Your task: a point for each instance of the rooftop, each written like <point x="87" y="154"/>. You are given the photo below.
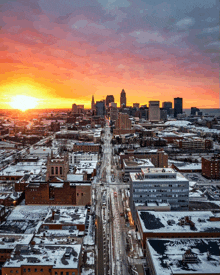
<point x="67" y="215"/>
<point x="58" y="256"/>
<point x="170" y="222"/>
<point x="185" y="256"/>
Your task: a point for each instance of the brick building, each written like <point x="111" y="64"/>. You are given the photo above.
<point x="194" y="143"/>
<point x="44" y="259"/>
<point x="86" y="147"/>
<point x="58" y="193"/>
<point x="57" y="167"/>
<point x="123" y="125"/>
<point x="158" y="157"/>
<point x="211" y="167"/>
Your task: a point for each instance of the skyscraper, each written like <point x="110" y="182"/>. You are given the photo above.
<point x="167" y="106"/>
<point x="154" y="110"/>
<point x="93" y="103"/>
<point x="109" y="99"/>
<point x="178" y="106"/>
<point x="123" y="98"/>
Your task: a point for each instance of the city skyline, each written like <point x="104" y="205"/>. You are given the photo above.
<point x="60" y="53"/>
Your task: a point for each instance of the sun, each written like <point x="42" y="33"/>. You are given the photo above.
<point x="23" y="102"/>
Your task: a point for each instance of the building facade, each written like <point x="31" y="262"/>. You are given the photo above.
<point x="58" y="193"/>
<point x="178" y="106"/>
<point x="161" y="185"/>
<point x="109" y="99"/>
<point x="123" y="98"/>
<point x="100" y="108"/>
<point x="154" y="111"/>
<point x="211" y="167"/>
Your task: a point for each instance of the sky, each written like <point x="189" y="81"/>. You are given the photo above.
<point x="63" y="52"/>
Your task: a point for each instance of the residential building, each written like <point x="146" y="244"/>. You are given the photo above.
<point x="194" y="143"/>
<point x="113" y="111"/>
<point x="123" y="125"/>
<point x="211" y="167"/>
<point x="154" y="111"/>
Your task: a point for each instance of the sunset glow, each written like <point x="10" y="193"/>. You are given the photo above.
<point x="23" y="103"/>
<point x="70" y="50"/>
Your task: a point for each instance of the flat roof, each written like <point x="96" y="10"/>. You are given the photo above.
<point x="185" y="256"/>
<point x="48" y="255"/>
<point x="170" y="222"/>
<point x="67" y="215"/>
<point x="9" y="241"/>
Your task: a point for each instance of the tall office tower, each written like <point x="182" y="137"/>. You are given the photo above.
<point x="167" y="105"/>
<point x="178" y="106"/>
<point x="123" y="98"/>
<point x="109" y="99"/>
<point x="100" y="108"/>
<point x="93" y="103"/>
<point x="154" y="111"/>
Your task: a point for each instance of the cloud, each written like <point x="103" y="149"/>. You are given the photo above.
<point x="185" y="23"/>
<point x="145" y="37"/>
<point x="211" y="30"/>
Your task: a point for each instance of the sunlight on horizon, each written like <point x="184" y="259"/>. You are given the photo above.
<point x="23" y="102"/>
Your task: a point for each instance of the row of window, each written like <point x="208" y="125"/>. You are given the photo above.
<point x="42" y="270"/>
<point x="56" y="171"/>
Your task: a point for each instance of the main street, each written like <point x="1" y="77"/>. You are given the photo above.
<point x="110" y="235"/>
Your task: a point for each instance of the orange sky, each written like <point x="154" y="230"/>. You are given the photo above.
<point x="64" y="56"/>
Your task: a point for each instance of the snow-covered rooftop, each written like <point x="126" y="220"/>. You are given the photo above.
<point x="170" y="222"/>
<point x="57" y="256"/>
<point x="185" y="256"/>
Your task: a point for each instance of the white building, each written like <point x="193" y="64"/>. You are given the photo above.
<point x="76" y="157"/>
<point x="160" y="185"/>
<point x="154" y="110"/>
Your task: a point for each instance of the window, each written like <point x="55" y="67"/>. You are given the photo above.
<point x="82" y="194"/>
<point x="29" y="270"/>
<point x="77" y="194"/>
<point x="56" y="273"/>
<point x="52" y="170"/>
<point x="11" y="271"/>
<point x="67" y="273"/>
<point x="41" y="270"/>
<point x="56" y="170"/>
<point x="73" y="273"/>
<point x="49" y="270"/>
<point x="35" y="270"/>
<point x="61" y="171"/>
<point x="61" y="273"/>
<point x="24" y="270"/>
